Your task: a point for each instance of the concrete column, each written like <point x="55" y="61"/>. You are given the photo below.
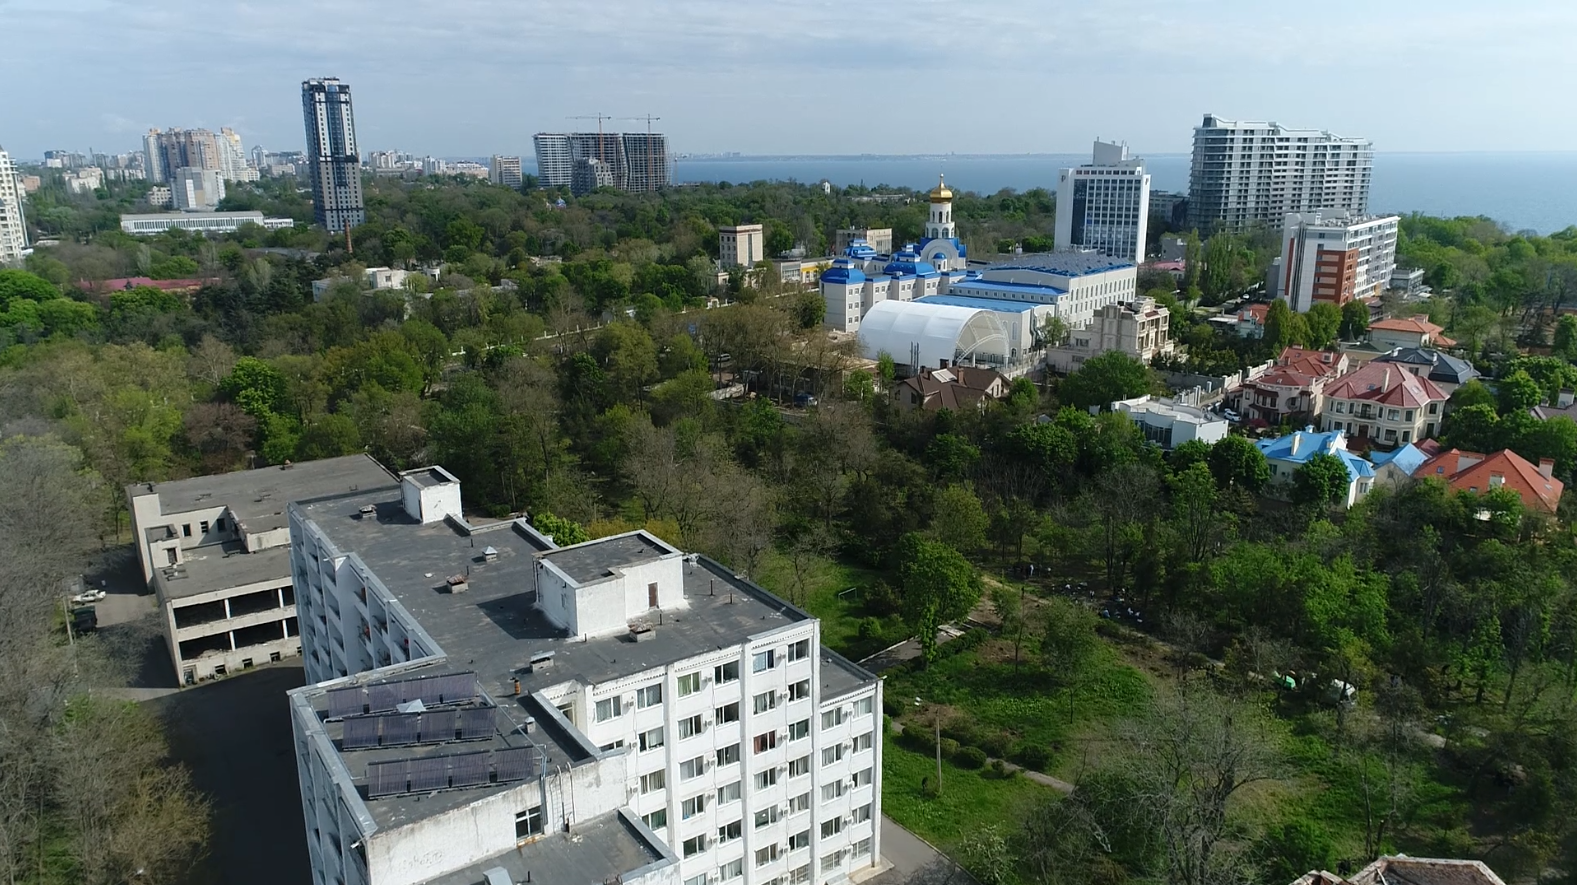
<point x="279" y="593"/>
<point x="227" y="612"/>
<point x="231" y="634"/>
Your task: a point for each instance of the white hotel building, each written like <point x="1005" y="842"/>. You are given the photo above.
<point x="486" y="708"/>
<point x="1105" y="206"/>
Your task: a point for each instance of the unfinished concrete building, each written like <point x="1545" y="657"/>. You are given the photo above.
<point x="215" y="549"/>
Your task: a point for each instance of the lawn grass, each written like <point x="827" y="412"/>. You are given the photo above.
<point x="969" y="800"/>
<point x="840" y="613"/>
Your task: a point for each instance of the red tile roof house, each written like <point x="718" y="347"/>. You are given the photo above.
<point x="1383" y="404"/>
<point x="1472" y="472"/>
<point x="1415" y="331"/>
<point x="1399" y="869"/>
<point x="954" y="388"/>
<point x="1292" y="388"/>
<point x="179" y="287"/>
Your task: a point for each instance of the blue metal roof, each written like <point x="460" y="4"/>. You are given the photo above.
<point x="842" y="271"/>
<point x="997" y="304"/>
<point x="1301" y="445"/>
<point x="1407" y="459"/>
<point x="1068" y="264"/>
<point x="911" y="266"/>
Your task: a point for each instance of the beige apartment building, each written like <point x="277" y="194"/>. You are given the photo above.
<point x="743" y="245"/>
<point x="1137" y="328"/>
<point x="216" y="551"/>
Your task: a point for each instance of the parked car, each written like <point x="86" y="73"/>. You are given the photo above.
<point x="84" y="619"/>
<point x="804" y="400"/>
<point x="89" y="596"/>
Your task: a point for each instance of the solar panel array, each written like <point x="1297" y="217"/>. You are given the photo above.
<point x="433" y="691"/>
<point x="424" y="775"/>
<point x="431" y="727"/>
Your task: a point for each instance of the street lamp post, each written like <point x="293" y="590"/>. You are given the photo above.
<point x="938" y="723"/>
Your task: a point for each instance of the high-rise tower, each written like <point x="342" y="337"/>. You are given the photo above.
<point x="13" y="227"/>
<point x="332" y="153"/>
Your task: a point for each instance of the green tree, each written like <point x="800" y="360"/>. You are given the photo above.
<point x="19" y="284"/>
<point x="1322" y="480"/>
<point x="256" y="386"/>
<point x="1324" y="321"/>
<point x="1195" y="516"/>
<point x="1068" y="642"/>
<point x="1279" y="326"/>
<point x="328" y="436"/>
<point x="563" y="531"/>
<point x="63" y="316"/>
<point x="1105" y="379"/>
<point x="1236" y="462"/>
<point x="939" y="586"/>
<point x="1355" y="320"/>
<point x="1518" y="392"/>
<point x="809" y="310"/>
<point x="951" y="456"/>
<point x="1473" y="393"/>
<point x="629" y="357"/>
<point x="960" y="519"/>
<point x="1008" y="606"/>
<point x="1565" y="340"/>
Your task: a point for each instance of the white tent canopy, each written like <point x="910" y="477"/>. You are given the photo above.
<point x="942" y="332"/>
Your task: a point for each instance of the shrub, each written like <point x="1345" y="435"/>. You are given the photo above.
<point x="870" y="628"/>
<point x="950" y="747"/>
<point x="970" y="757"/>
<point x="916" y="738"/>
<point x="892" y="706"/>
<point x="1031" y="756"/>
<point x="1000" y="769"/>
<point x="996" y="744"/>
<point x="963" y="731"/>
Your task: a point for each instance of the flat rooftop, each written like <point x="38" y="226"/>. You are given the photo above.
<point x="258" y="497"/>
<point x="494" y="628"/>
<point x="1071" y="264"/>
<point x="221" y="567"/>
<point x="599" y="850"/>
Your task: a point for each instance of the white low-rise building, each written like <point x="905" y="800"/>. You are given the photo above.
<point x="741" y="245"/>
<point x="198" y="222"/>
<point x="485" y="706"/>
<point x="1169" y="423"/>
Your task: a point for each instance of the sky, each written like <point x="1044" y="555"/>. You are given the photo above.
<point x="477" y="77"/>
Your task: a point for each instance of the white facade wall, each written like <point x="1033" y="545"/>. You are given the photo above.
<point x="741" y="246"/>
<point x="1306" y="235"/>
<point x="13" y="227"/>
<point x="606" y="607"/>
<point x="1256" y="172"/>
<point x="430" y="503"/>
<point x="1105" y="206"/>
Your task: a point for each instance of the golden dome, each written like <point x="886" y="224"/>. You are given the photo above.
<point x="941" y="193"/>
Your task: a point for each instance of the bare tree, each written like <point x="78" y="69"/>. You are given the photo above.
<point x="211" y="361"/>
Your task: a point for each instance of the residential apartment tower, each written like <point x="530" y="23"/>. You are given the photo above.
<point x="1257" y="173"/>
<point x="13" y="226"/>
<point x="332" y="155"/>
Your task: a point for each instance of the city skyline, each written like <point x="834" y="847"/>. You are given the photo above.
<point x="780" y="64"/>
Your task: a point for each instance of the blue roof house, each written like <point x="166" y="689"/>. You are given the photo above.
<point x="1287" y="453"/>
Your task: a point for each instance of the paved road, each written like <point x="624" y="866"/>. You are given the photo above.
<point x="234" y="735"/>
<point x="915" y="862"/>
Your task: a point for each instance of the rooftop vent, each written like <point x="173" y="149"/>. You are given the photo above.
<point x="497" y="876"/>
<point x="642" y="632"/>
<point x="458" y="586"/>
<point x="541" y="662"/>
<point x="490" y="554"/>
<point x="368" y="510"/>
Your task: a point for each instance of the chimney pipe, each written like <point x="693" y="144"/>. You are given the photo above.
<point x="1546" y="467"/>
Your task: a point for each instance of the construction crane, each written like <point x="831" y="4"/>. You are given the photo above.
<point x="601" y="158"/>
<point x="649" y="120"/>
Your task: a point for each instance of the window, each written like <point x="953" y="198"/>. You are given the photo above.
<point x="650" y="696"/>
<point x="528" y="823"/>
<point x="729" y="832"/>
<point x="186" y="531"/>
<point x="656" y="820"/>
<point x="831" y="828"/>
<point x="862" y="742"/>
<point x="862" y="847"/>
<point x="832" y="754"/>
<point x="832" y="718"/>
<point x="656" y="780"/>
<point x="694" y="845"/>
<point x="610" y="747"/>
<point x="799" y="876"/>
<point x="800" y="690"/>
<point x="696" y="880"/>
<point x="765" y="701"/>
<point x="765" y="742"/>
<point x="728" y="713"/>
<point x="689" y="683"/>
<point x="608" y="709"/>
<point x="692" y="768"/>
<point x="766" y="855"/>
<point x="728" y="755"/>
<point x="799" y="803"/>
<point x="220" y="523"/>
<point x="864" y="706"/>
<point x="728" y="793"/>
<point x="832" y="790"/>
<point x="800" y="730"/>
<point x="767" y="778"/>
<point x="651" y="595"/>
<point x="799" y="767"/>
<point x="799" y="841"/>
<point x="862" y="778"/>
<point x="692" y="807"/>
<point x="731" y="870"/>
<point x="763" y="660"/>
<point x="799" y="651"/>
<point x="204" y="526"/>
<point x="690" y="727"/>
<point x="862" y="814"/>
<point x="728" y="672"/>
<point x="651" y="740"/>
<point x="766" y="817"/>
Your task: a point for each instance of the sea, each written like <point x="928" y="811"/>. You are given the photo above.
<point x="1534" y="191"/>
